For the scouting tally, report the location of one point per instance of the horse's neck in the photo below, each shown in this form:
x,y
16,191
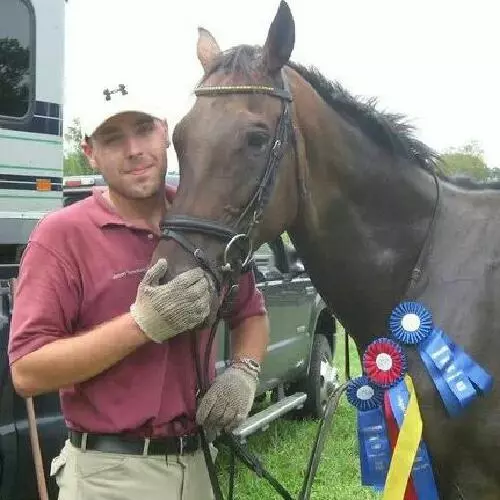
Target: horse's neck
x,y
362,224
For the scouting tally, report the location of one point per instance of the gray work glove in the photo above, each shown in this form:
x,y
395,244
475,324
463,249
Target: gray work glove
x,y
229,400
163,311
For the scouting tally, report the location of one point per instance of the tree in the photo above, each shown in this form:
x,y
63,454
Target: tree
x,y
75,162
14,68
468,160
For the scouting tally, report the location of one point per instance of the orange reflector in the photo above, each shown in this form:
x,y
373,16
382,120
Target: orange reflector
x,y
43,185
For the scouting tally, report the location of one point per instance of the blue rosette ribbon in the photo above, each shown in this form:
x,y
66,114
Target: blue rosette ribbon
x,y
374,447
457,377
421,473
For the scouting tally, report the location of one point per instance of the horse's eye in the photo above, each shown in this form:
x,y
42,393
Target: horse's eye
x,y
257,140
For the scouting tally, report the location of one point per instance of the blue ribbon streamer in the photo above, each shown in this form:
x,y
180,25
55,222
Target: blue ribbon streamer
x,y
455,374
422,474
374,447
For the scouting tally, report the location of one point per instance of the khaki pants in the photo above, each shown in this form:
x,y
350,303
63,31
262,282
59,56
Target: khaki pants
x,y
94,475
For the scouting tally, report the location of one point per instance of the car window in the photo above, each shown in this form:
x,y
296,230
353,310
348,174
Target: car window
x,y
265,264
17,71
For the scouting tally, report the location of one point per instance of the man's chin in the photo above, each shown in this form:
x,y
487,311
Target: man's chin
x,y
144,192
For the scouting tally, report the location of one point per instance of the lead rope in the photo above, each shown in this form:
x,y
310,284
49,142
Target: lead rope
x,y
202,388
248,458
237,449
347,362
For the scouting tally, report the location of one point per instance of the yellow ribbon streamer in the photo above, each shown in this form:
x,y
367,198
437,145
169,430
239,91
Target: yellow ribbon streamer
x,y
406,448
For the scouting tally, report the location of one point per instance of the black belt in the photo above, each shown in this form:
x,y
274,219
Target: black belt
x,y
116,443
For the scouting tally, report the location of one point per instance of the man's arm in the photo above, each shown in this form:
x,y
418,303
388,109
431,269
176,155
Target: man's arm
x,y
68,361
250,338
229,399
249,322
45,353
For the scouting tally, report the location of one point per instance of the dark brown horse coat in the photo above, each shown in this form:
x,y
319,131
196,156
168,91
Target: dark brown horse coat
x,y
356,193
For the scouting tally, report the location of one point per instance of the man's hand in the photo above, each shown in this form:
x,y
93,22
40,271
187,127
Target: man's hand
x,y
163,311
229,400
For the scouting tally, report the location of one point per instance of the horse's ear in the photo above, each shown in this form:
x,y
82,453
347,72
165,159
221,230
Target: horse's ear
x,y
280,39
207,48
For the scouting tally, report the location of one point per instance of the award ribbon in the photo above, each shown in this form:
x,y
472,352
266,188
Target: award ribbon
x,y
400,398
374,447
457,377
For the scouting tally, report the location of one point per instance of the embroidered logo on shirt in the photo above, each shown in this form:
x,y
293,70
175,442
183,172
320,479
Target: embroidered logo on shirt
x,y
117,276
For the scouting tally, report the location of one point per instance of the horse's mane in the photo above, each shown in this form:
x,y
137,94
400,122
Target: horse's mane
x,y
391,131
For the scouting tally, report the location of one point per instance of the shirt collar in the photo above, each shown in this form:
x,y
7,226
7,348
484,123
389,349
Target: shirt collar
x,y
103,213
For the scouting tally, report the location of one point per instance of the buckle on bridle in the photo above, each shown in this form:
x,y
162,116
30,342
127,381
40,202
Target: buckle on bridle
x,y
227,265
277,146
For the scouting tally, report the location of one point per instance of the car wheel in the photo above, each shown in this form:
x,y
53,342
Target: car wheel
x,y
322,379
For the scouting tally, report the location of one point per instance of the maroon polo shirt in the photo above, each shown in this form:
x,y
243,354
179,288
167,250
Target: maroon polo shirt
x,y
82,267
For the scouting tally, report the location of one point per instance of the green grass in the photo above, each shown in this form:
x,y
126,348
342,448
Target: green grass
x,y
285,447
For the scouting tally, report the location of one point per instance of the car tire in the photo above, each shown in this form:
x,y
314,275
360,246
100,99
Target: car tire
x,y
321,380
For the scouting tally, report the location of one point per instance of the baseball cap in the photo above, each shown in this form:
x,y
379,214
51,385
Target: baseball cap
x,y
111,101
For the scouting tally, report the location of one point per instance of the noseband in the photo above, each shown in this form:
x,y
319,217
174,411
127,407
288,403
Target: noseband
x,y
239,237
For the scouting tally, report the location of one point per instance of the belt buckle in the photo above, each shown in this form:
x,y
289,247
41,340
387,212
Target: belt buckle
x,y
145,447
182,444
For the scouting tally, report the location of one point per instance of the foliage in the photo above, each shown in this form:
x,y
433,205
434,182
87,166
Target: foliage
x,y
468,161
75,161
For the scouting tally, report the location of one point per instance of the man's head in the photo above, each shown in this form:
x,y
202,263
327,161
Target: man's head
x,y
126,141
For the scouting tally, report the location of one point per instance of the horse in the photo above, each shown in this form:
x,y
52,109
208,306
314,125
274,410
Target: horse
x,y
271,146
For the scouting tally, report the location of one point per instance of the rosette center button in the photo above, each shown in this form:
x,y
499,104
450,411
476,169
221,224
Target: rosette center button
x,y
365,393
410,322
383,361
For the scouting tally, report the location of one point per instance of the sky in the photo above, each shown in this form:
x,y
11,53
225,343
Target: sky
x,y
433,61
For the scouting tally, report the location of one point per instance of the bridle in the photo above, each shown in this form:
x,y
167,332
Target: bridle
x,y
239,247
237,254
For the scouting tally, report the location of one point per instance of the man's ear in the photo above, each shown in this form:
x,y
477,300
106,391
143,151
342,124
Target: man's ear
x,y
88,151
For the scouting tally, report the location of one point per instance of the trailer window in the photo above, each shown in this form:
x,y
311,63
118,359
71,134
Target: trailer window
x,y
17,39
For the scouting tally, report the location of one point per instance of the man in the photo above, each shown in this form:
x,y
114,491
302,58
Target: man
x,y
91,320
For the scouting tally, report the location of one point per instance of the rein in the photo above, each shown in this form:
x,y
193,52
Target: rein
x,y
416,273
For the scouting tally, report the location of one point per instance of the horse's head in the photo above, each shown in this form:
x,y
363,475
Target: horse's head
x,y
236,155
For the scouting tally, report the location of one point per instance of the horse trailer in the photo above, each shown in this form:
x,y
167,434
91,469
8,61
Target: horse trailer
x,y
31,125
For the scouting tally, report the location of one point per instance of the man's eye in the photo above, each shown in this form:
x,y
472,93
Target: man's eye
x,y
110,139
145,128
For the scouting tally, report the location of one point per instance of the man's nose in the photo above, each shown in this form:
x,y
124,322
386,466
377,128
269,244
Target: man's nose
x,y
133,146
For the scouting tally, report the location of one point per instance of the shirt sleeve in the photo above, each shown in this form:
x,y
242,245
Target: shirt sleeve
x,y
249,301
46,301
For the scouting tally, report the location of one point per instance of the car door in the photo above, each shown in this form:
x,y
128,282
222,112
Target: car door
x,y
8,436
289,300
17,472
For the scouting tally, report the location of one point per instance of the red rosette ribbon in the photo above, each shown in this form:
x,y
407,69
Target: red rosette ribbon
x,y
384,363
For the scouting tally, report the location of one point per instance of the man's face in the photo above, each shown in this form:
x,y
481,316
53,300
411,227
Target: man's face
x,y
130,151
